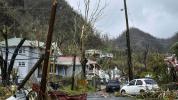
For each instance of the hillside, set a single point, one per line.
(140, 40)
(29, 18)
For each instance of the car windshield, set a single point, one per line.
(113, 82)
(150, 82)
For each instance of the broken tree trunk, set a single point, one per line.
(73, 73)
(4, 70)
(82, 50)
(47, 52)
(2, 61)
(13, 59)
(38, 63)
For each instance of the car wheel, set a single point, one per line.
(123, 92)
(142, 92)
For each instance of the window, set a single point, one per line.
(113, 82)
(21, 50)
(132, 82)
(150, 82)
(21, 64)
(139, 82)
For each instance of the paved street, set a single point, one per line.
(102, 95)
(108, 98)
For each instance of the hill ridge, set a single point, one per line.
(140, 39)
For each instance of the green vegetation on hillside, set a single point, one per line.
(140, 40)
(30, 19)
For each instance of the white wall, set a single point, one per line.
(26, 57)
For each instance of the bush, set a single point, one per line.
(170, 86)
(158, 95)
(2, 91)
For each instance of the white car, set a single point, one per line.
(138, 86)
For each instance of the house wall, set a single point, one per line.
(20, 58)
(78, 69)
(35, 55)
(61, 70)
(67, 70)
(27, 57)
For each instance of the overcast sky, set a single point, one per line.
(157, 17)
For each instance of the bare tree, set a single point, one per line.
(5, 69)
(91, 15)
(4, 62)
(13, 58)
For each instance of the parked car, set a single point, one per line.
(112, 85)
(138, 86)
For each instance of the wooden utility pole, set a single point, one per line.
(47, 51)
(4, 68)
(129, 59)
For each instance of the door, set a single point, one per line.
(22, 71)
(139, 86)
(131, 87)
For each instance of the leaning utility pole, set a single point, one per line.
(129, 59)
(47, 51)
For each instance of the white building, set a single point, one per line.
(115, 73)
(27, 56)
(106, 55)
(98, 53)
(92, 52)
(103, 75)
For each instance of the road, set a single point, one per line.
(98, 96)
(108, 98)
(102, 95)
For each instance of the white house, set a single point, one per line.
(115, 73)
(64, 66)
(28, 55)
(106, 55)
(98, 53)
